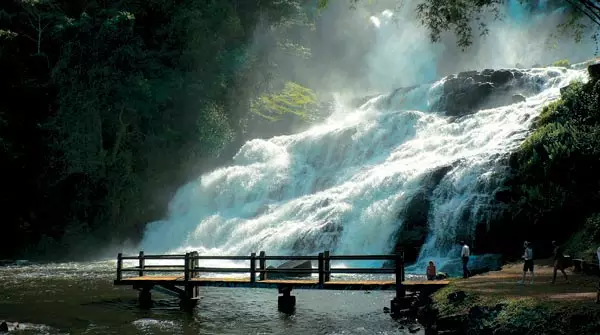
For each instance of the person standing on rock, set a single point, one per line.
(528, 265)
(464, 255)
(559, 261)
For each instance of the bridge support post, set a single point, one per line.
(191, 293)
(400, 302)
(286, 303)
(145, 297)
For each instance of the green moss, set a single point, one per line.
(293, 100)
(562, 63)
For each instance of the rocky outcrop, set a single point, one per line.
(594, 71)
(477, 264)
(295, 265)
(468, 92)
(411, 235)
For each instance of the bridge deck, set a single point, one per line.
(274, 283)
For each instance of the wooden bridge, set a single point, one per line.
(184, 280)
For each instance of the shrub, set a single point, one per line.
(562, 63)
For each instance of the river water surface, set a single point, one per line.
(80, 298)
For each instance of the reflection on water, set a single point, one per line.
(79, 298)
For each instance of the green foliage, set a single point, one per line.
(555, 170)
(131, 98)
(294, 99)
(585, 241)
(562, 63)
(517, 315)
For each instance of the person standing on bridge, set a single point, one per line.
(464, 255)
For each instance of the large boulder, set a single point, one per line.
(470, 91)
(594, 71)
(293, 264)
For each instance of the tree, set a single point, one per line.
(462, 16)
(39, 14)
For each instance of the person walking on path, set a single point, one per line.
(464, 255)
(528, 265)
(559, 261)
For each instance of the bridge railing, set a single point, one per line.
(191, 268)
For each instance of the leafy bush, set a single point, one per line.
(293, 100)
(584, 242)
(562, 63)
(555, 179)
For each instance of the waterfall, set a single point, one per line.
(340, 185)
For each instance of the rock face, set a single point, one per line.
(414, 229)
(477, 264)
(594, 71)
(467, 92)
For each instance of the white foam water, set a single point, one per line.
(340, 185)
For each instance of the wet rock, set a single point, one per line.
(467, 74)
(441, 276)
(477, 264)
(504, 196)
(470, 91)
(451, 324)
(456, 297)
(293, 264)
(413, 232)
(516, 98)
(414, 329)
(501, 77)
(594, 71)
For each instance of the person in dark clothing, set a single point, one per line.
(464, 255)
(431, 272)
(559, 261)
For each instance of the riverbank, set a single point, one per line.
(495, 303)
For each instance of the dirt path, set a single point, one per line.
(504, 283)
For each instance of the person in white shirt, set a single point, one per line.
(464, 255)
(528, 265)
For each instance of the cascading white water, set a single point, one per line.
(340, 185)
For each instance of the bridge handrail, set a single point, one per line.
(324, 269)
(246, 258)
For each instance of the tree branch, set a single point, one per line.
(595, 18)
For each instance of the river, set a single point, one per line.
(80, 298)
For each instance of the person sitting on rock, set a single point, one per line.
(528, 265)
(431, 272)
(559, 261)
